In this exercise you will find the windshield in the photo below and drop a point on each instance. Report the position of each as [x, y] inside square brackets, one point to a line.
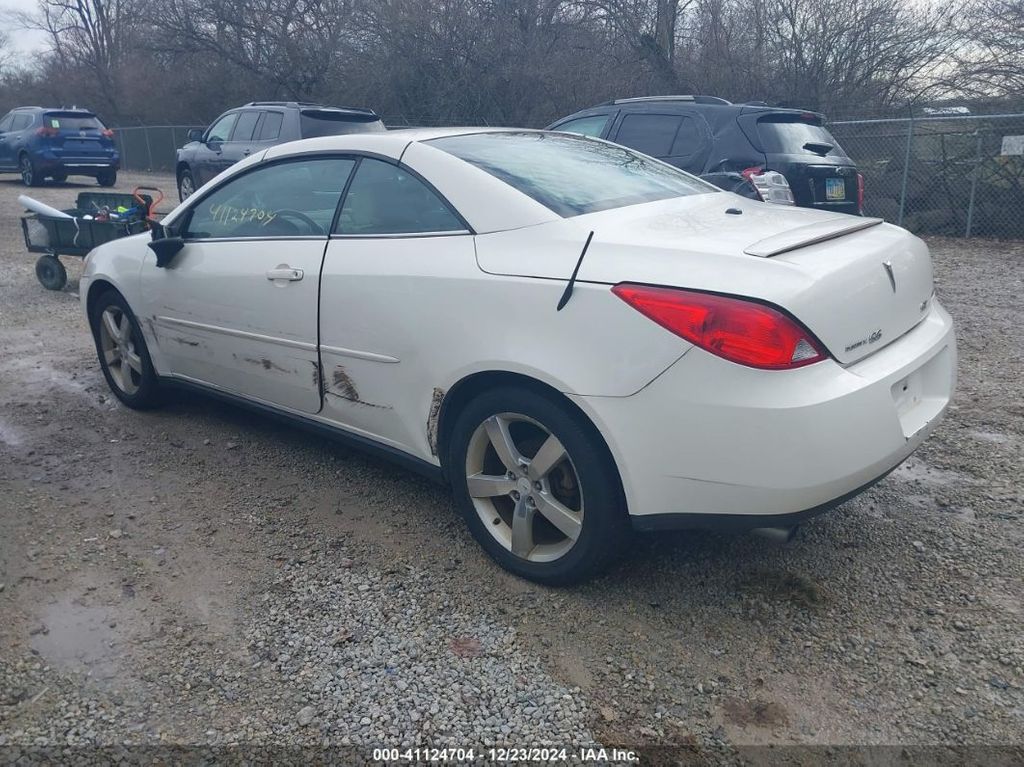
[793, 135]
[572, 175]
[71, 121]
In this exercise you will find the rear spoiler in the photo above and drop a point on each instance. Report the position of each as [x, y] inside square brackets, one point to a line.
[811, 234]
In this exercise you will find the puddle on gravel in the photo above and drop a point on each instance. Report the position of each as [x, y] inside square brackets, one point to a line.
[916, 471]
[77, 637]
[989, 436]
[9, 435]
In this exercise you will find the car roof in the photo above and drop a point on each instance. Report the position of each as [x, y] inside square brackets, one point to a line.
[704, 104]
[69, 110]
[360, 111]
[392, 143]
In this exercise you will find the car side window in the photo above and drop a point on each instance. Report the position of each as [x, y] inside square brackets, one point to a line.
[5, 124]
[21, 121]
[586, 126]
[270, 128]
[244, 126]
[221, 130]
[651, 134]
[287, 199]
[384, 199]
[688, 139]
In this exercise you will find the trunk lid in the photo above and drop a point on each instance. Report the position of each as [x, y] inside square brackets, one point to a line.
[856, 283]
[77, 134]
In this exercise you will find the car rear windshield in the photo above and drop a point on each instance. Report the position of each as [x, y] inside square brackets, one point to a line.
[794, 134]
[72, 121]
[572, 175]
[327, 122]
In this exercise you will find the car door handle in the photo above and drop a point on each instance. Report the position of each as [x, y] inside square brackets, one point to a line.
[285, 273]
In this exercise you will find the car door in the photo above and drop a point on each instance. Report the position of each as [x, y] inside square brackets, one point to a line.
[240, 144]
[268, 130]
[682, 140]
[237, 307]
[6, 153]
[394, 238]
[209, 156]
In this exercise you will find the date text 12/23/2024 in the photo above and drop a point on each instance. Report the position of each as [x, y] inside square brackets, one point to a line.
[595, 754]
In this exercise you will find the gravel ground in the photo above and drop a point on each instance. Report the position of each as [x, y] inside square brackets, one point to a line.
[201, 575]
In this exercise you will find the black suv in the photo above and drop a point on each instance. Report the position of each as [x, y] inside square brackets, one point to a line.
[778, 155]
[260, 124]
[55, 143]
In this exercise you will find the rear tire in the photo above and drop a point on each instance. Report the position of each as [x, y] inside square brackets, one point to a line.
[51, 273]
[122, 351]
[29, 175]
[551, 510]
[106, 177]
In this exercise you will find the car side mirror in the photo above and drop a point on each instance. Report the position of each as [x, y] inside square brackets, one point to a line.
[195, 135]
[166, 248]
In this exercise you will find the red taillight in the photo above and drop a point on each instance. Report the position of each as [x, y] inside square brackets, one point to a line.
[733, 328]
[860, 193]
[107, 133]
[47, 132]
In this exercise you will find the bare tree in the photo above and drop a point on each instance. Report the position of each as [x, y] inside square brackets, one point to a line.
[650, 29]
[992, 61]
[93, 38]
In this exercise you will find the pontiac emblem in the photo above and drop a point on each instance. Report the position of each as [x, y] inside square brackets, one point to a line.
[888, 271]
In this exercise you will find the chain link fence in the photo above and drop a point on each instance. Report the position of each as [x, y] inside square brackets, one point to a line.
[960, 176]
[151, 147]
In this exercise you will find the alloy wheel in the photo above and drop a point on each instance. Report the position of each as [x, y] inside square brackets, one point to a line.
[185, 187]
[118, 349]
[524, 487]
[27, 171]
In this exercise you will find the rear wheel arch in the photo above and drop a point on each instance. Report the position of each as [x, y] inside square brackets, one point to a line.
[465, 390]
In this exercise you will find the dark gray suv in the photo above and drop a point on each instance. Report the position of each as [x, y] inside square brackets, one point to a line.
[777, 155]
[258, 125]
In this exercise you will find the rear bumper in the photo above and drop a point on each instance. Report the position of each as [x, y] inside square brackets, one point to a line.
[714, 444]
[47, 161]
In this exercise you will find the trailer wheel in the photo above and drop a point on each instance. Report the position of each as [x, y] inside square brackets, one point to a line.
[51, 272]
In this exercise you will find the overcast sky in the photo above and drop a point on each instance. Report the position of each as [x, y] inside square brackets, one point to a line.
[19, 39]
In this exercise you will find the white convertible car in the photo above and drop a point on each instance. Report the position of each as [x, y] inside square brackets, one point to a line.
[580, 339]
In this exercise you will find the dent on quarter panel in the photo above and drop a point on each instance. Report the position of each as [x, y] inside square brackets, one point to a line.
[433, 417]
[343, 386]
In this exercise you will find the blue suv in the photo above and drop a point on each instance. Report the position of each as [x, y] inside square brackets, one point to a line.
[44, 143]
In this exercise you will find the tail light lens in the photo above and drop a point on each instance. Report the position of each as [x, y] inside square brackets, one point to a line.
[735, 329]
[47, 132]
[771, 186]
[860, 193]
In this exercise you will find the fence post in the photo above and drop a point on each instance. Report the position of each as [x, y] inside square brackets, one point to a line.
[974, 187]
[124, 148]
[149, 149]
[906, 169]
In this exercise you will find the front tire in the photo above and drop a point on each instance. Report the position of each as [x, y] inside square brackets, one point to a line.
[122, 351]
[29, 175]
[186, 185]
[106, 177]
[537, 486]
